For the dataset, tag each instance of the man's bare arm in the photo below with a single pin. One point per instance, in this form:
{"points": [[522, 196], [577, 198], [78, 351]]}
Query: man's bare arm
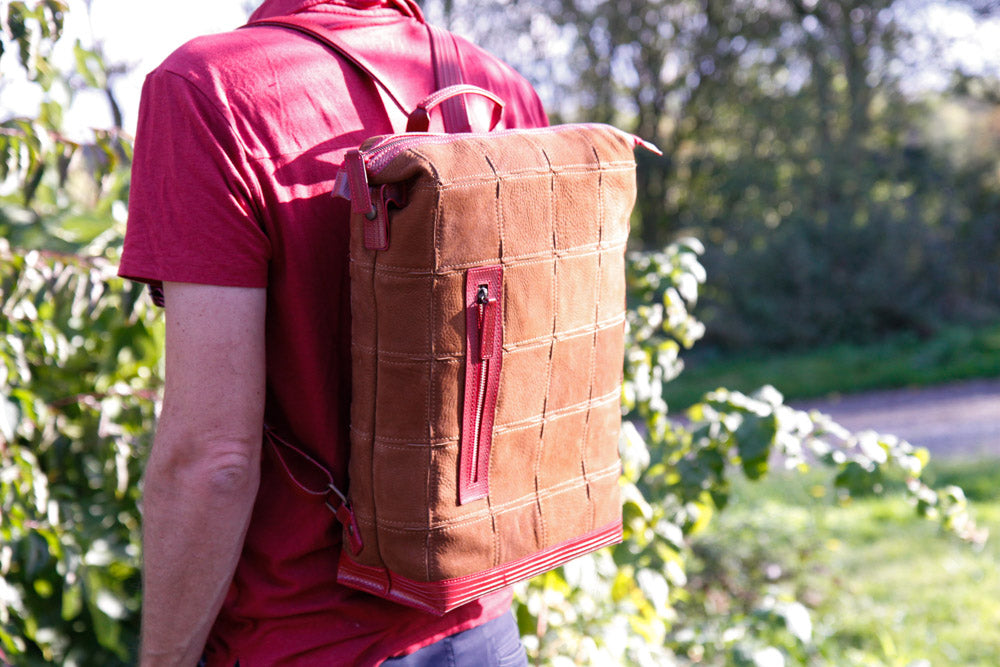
{"points": [[204, 469]]}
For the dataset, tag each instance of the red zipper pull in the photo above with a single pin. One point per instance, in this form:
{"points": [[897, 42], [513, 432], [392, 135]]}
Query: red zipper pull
{"points": [[357, 177]]}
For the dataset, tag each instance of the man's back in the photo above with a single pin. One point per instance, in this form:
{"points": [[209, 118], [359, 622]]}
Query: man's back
{"points": [[240, 139]]}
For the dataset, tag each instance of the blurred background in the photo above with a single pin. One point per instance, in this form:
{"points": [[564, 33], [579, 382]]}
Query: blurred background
{"points": [[837, 162], [838, 159]]}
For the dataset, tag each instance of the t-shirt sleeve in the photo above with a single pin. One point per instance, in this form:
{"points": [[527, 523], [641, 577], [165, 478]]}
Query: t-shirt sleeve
{"points": [[194, 200]]}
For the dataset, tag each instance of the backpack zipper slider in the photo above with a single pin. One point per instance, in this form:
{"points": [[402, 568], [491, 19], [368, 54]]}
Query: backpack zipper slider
{"points": [[487, 321], [357, 189]]}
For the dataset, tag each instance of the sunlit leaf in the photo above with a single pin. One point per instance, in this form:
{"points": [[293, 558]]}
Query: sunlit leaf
{"points": [[754, 439]]}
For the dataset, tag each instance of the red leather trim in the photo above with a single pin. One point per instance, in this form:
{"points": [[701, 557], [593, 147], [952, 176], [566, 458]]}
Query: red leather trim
{"points": [[361, 198], [376, 229], [448, 72], [440, 597], [483, 333], [342, 186], [419, 120]]}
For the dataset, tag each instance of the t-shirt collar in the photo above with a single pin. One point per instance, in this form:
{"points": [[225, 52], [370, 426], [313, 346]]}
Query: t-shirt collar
{"points": [[272, 8]]}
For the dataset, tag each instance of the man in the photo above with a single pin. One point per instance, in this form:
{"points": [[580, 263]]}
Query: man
{"points": [[240, 139]]}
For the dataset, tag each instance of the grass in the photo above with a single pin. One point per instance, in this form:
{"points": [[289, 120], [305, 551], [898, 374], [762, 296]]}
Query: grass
{"points": [[955, 353], [883, 586]]}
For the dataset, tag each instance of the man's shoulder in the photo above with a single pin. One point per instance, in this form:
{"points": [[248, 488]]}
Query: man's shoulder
{"points": [[230, 55], [244, 67]]}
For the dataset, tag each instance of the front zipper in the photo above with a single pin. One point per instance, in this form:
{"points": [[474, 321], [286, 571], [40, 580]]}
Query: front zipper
{"points": [[483, 302], [352, 180], [382, 152], [483, 359]]}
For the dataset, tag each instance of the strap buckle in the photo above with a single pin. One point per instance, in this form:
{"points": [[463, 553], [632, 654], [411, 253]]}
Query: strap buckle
{"points": [[333, 497], [341, 508]]}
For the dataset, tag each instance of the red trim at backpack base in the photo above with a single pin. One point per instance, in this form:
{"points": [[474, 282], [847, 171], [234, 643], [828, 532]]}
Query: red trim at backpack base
{"points": [[440, 597]]}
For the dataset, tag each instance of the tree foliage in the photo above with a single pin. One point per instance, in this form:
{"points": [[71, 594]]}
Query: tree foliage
{"points": [[78, 366], [798, 146], [79, 362]]}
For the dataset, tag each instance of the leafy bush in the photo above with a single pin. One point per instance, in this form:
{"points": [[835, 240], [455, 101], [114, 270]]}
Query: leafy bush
{"points": [[79, 355], [77, 363], [677, 476]]}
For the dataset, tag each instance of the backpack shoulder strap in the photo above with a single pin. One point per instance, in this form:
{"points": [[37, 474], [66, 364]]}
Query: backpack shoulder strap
{"points": [[445, 58], [313, 479], [447, 62], [335, 41]]}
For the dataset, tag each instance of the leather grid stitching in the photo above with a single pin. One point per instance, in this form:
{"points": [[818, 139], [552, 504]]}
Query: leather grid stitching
{"points": [[445, 441], [526, 259], [478, 516], [585, 263], [398, 357]]}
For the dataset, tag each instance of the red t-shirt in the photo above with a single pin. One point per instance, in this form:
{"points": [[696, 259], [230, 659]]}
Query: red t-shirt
{"points": [[239, 141]]}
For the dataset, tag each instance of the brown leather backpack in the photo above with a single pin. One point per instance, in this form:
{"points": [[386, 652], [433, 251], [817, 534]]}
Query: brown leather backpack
{"points": [[488, 315]]}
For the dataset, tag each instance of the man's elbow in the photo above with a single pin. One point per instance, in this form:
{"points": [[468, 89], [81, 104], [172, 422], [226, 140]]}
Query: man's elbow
{"points": [[220, 467], [231, 473]]}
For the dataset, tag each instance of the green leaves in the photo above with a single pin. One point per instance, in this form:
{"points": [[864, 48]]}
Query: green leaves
{"points": [[78, 360], [75, 427], [90, 66], [755, 438], [677, 476], [33, 28], [34, 152]]}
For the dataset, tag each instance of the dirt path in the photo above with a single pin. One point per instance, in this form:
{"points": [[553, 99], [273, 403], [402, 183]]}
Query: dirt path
{"points": [[961, 419]]}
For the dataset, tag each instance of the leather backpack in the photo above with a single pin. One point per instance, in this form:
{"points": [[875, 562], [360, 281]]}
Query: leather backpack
{"points": [[488, 314]]}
